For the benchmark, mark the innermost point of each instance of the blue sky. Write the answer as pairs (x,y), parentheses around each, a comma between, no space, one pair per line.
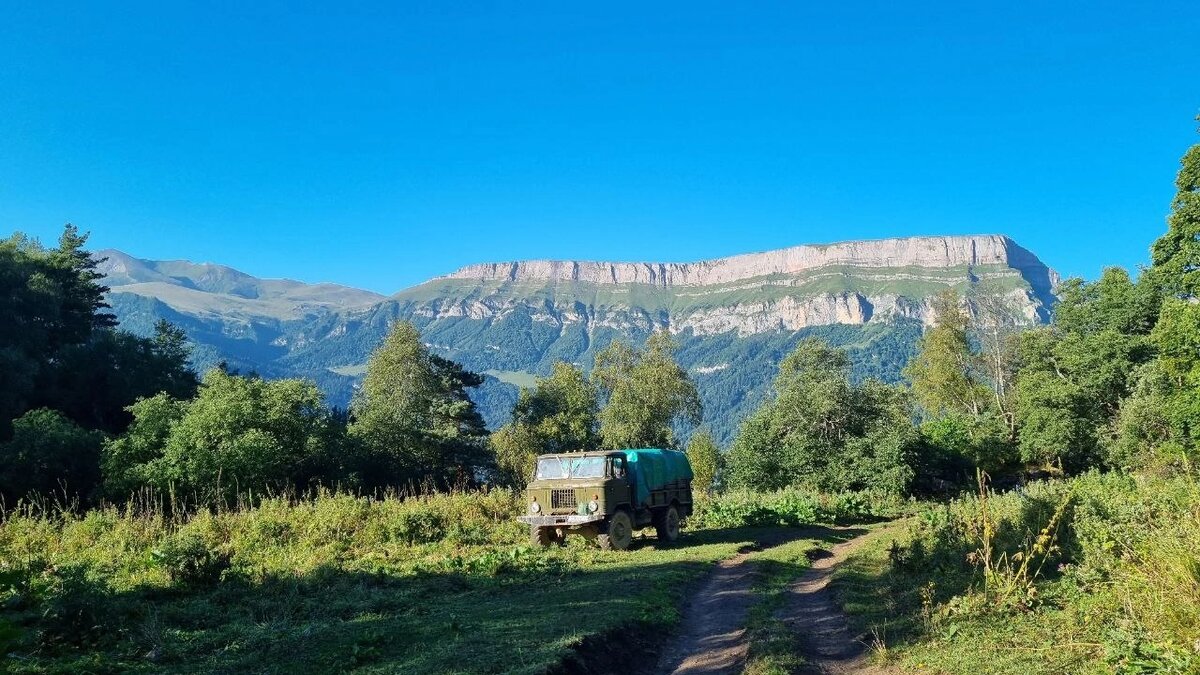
(381,143)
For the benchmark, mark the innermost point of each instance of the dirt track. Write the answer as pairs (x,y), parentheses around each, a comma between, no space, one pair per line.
(712,638)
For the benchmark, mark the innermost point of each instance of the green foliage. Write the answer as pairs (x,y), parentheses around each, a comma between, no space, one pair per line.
(59,351)
(646,392)
(953,446)
(1075,375)
(1108,582)
(791,507)
(1176,255)
(47,454)
(557,415)
(334,583)
(1159,421)
(413,419)
(705,458)
(188,559)
(822,432)
(239,436)
(944,374)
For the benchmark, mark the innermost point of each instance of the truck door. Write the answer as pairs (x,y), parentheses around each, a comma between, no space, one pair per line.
(620,471)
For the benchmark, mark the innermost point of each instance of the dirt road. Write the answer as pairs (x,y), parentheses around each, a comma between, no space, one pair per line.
(712,639)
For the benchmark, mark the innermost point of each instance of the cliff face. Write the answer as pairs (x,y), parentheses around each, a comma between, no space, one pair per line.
(932,252)
(814,285)
(734,318)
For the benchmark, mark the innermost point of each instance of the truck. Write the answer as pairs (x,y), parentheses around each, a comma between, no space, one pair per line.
(608,495)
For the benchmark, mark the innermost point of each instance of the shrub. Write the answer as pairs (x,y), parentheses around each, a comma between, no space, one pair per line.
(188,558)
(791,507)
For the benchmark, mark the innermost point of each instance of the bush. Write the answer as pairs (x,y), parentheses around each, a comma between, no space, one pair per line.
(189,560)
(791,507)
(49,454)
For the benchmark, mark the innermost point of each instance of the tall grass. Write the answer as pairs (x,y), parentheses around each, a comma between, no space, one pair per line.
(1101,572)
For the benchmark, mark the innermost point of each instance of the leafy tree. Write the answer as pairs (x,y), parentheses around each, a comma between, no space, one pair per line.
(820,431)
(239,436)
(49,453)
(58,345)
(1074,374)
(944,374)
(557,415)
(1160,418)
(134,461)
(705,458)
(646,393)
(413,419)
(1175,256)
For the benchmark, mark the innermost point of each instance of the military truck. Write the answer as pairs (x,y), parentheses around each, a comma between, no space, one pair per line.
(607,495)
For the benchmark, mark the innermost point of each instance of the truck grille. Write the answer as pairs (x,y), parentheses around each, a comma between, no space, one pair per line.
(562,499)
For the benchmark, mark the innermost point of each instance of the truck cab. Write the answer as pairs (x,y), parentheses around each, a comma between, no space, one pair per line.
(608,495)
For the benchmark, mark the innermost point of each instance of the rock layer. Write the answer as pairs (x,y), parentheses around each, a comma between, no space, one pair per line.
(932,252)
(853,282)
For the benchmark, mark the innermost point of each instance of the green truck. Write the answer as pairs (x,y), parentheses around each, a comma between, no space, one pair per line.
(607,495)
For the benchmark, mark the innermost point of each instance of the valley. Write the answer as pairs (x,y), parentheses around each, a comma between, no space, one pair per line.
(734,317)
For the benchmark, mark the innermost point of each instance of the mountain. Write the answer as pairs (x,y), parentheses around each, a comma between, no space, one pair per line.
(734,317)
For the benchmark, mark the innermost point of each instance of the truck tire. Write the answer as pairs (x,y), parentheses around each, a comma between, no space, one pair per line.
(541,537)
(667,526)
(619,533)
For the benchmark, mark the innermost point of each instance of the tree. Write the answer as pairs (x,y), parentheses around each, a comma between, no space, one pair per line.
(49,453)
(997,325)
(820,431)
(134,460)
(1175,257)
(944,375)
(59,348)
(240,436)
(413,419)
(646,393)
(1164,413)
(557,415)
(705,458)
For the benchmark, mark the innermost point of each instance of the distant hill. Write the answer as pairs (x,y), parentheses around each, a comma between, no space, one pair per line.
(734,317)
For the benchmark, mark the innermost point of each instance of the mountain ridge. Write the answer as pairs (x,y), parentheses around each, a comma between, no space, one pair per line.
(734,318)
(919,251)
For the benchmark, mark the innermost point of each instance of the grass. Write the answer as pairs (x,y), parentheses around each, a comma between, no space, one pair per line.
(773,648)
(1120,592)
(518,378)
(335,583)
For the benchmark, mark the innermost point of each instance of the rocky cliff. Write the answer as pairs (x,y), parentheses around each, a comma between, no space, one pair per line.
(734,318)
(813,285)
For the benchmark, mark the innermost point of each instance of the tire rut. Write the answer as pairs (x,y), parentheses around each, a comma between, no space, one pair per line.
(813,615)
(712,636)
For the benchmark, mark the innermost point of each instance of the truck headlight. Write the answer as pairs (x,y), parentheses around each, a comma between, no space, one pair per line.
(593,506)
(535,508)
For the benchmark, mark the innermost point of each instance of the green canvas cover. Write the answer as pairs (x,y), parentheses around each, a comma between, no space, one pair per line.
(651,468)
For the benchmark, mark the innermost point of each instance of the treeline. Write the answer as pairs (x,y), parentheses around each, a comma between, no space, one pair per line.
(92,413)
(1112,383)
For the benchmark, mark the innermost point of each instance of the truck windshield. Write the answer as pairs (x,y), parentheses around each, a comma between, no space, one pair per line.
(563,467)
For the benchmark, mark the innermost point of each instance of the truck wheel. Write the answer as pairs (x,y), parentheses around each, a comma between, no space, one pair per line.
(667,527)
(541,537)
(619,533)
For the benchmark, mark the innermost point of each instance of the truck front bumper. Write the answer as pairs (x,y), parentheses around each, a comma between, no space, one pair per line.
(559,521)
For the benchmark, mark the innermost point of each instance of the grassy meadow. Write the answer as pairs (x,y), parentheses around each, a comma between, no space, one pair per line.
(1097,574)
(441,583)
